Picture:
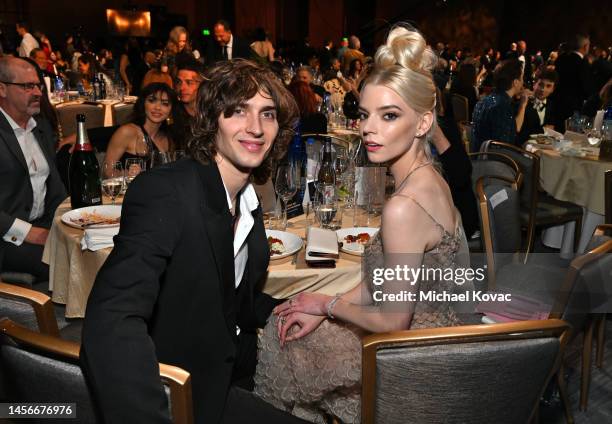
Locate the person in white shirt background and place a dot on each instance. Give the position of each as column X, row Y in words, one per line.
column 28, row 42
column 30, row 185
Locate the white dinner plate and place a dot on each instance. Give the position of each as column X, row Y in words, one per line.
column 102, row 212
column 354, row 248
column 291, row 242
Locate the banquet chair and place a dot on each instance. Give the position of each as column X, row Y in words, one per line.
column 42, row 368
column 122, row 113
column 537, row 207
column 460, row 105
column 465, row 128
column 35, row 311
column 608, row 197
column 67, row 117
column 477, row 373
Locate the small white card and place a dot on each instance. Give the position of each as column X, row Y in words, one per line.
column 499, row 197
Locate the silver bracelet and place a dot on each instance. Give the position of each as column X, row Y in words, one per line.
column 331, row 304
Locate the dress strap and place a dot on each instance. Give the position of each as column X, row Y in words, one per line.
column 440, row 226
column 147, row 139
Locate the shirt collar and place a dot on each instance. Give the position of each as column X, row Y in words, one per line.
column 248, row 198
column 31, row 124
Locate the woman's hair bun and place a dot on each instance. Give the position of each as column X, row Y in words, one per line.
column 406, row 47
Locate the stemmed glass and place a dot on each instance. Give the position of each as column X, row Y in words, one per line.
column 133, row 167
column 113, row 179
column 286, row 185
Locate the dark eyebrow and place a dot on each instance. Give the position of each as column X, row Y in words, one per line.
column 388, row 107
column 267, row 108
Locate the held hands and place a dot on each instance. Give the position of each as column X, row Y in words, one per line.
column 304, row 323
column 308, row 303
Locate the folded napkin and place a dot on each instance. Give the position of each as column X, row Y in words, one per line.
column 520, row 308
column 321, row 247
column 98, row 238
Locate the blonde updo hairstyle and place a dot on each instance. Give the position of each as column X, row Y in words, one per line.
column 404, row 64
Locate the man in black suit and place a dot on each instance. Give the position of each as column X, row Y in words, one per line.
column 226, row 45
column 181, row 285
column 574, row 80
column 540, row 110
column 30, row 186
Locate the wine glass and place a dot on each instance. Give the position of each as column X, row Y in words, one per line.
column 112, row 179
column 286, row 185
column 133, row 167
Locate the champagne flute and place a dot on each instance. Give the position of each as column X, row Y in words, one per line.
column 112, row 179
column 286, row 185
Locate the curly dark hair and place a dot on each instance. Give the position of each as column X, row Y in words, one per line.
column 139, row 116
column 226, row 86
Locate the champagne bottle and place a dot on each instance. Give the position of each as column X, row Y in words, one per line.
column 326, row 179
column 95, row 83
column 84, row 171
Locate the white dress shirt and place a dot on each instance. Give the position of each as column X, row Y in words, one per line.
column 38, row 169
column 230, row 47
column 28, row 43
column 540, row 107
column 248, row 203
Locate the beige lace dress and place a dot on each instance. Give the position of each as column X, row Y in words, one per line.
column 320, row 374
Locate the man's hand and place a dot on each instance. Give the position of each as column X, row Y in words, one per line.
column 37, row 235
column 525, row 95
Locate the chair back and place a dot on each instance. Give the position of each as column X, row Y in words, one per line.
column 67, row 116
column 465, row 127
column 122, row 113
column 29, row 308
column 461, row 110
column 494, row 163
column 529, row 165
column 586, row 288
column 460, row 374
column 498, row 206
column 41, row 368
column 608, row 196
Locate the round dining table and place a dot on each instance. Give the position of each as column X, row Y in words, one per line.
column 72, row 270
column 577, row 177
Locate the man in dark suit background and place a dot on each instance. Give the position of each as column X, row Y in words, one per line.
column 574, row 79
column 181, row 285
column 226, row 46
column 540, row 111
column 30, row 186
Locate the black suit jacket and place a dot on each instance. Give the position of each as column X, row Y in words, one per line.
column 573, row 88
column 166, row 293
column 531, row 121
column 240, row 49
column 16, row 195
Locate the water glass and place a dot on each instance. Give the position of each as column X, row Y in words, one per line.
column 113, row 179
column 325, row 213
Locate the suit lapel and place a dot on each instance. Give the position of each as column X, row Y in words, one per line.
column 11, row 141
column 259, row 253
column 217, row 221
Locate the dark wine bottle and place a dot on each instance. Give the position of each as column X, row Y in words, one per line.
column 326, row 180
column 84, row 171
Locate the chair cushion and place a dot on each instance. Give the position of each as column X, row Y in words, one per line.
column 551, row 209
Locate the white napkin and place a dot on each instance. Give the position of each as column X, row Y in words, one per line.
column 553, row 133
column 322, row 245
column 98, row 238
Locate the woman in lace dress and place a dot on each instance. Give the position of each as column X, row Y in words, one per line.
column 310, row 356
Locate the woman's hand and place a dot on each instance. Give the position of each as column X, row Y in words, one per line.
column 296, row 325
column 308, row 303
